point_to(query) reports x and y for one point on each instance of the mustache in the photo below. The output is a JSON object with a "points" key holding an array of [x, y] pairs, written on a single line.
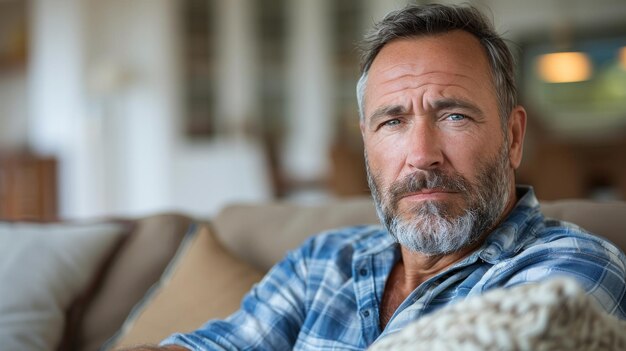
{"points": [[435, 179]]}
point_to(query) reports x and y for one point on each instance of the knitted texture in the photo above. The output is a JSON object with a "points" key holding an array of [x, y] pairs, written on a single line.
{"points": [[554, 315]]}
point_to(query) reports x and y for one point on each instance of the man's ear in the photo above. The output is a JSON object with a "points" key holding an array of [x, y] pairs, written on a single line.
{"points": [[516, 130], [362, 127]]}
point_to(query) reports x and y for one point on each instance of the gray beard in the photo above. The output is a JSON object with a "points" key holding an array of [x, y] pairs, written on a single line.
{"points": [[433, 228]]}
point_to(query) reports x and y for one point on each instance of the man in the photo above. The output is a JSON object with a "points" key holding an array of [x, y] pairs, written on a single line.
{"points": [[443, 135]]}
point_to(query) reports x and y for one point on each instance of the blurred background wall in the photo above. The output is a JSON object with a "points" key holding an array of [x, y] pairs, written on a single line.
{"points": [[128, 107]]}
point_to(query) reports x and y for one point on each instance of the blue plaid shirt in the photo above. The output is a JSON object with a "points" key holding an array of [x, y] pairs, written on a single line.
{"points": [[326, 295]]}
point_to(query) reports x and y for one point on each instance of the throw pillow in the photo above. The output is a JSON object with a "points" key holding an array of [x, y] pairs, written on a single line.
{"points": [[43, 267], [204, 281], [554, 315]]}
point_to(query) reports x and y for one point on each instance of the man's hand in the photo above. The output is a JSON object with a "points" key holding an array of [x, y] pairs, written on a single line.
{"points": [[155, 348]]}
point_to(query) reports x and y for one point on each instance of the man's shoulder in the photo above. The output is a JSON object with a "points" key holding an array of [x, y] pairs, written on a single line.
{"points": [[554, 248], [334, 250], [566, 233], [554, 237], [344, 241], [533, 231]]}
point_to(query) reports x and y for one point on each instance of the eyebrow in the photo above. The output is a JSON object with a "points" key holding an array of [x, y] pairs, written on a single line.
{"points": [[441, 104], [385, 111], [448, 103]]}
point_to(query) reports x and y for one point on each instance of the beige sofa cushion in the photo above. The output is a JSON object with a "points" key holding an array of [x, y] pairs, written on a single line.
{"points": [[262, 234], [203, 282]]}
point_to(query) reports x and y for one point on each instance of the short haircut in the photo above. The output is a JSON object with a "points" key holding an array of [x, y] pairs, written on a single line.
{"points": [[423, 20]]}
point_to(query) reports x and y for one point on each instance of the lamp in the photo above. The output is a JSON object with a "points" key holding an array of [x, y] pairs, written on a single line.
{"points": [[566, 67]]}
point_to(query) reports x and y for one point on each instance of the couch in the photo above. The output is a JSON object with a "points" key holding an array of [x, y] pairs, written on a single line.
{"points": [[135, 281]]}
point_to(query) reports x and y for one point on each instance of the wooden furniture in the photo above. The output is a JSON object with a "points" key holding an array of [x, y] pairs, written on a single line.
{"points": [[28, 187]]}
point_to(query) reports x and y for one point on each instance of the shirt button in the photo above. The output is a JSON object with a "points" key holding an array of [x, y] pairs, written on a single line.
{"points": [[363, 272], [366, 313]]}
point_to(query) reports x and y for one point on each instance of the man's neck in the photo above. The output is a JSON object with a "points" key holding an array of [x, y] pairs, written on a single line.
{"points": [[410, 272], [417, 267]]}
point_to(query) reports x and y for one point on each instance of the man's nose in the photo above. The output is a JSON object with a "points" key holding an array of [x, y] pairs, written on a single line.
{"points": [[424, 148]]}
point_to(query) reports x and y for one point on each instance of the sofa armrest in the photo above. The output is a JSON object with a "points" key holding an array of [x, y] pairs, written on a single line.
{"points": [[135, 267]]}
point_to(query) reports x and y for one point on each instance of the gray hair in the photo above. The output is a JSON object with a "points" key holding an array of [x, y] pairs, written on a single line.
{"points": [[420, 20]]}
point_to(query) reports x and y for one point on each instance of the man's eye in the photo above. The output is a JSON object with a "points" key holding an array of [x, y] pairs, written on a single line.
{"points": [[391, 123], [455, 117]]}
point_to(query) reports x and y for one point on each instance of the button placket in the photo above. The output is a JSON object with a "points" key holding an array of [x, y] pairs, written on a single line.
{"points": [[364, 289]]}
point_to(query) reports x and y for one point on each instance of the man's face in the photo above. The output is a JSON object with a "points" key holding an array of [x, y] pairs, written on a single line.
{"points": [[439, 164]]}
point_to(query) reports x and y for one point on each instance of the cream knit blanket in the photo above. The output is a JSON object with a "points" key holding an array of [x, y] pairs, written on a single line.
{"points": [[554, 315]]}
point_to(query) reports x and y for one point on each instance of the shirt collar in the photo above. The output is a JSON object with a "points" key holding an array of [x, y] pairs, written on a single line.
{"points": [[509, 237]]}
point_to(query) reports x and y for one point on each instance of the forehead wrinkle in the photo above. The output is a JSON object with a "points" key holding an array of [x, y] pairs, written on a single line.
{"points": [[445, 87], [407, 81], [400, 81]]}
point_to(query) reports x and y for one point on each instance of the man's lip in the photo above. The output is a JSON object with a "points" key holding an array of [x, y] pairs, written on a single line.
{"points": [[427, 192]]}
